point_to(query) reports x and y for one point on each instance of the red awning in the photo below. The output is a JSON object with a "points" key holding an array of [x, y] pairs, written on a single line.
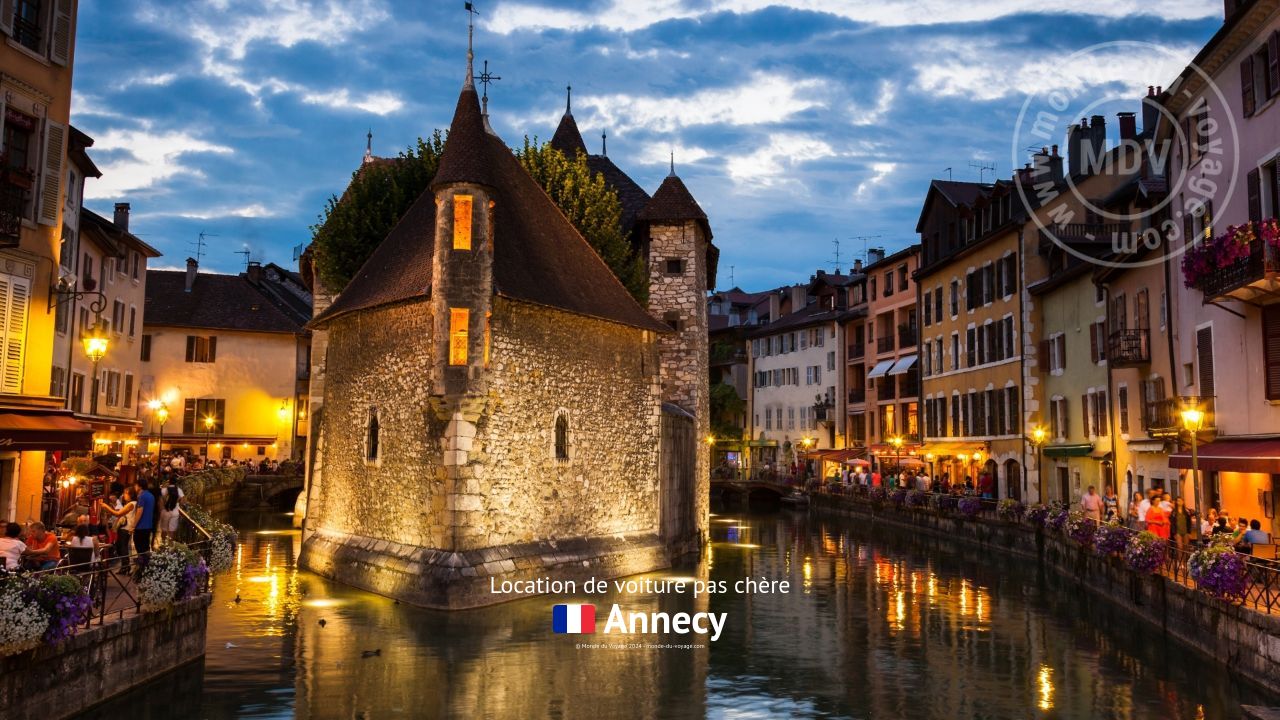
{"points": [[43, 432], [1254, 456]]}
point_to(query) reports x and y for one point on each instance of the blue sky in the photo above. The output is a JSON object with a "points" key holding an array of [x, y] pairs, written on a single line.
{"points": [[793, 122]]}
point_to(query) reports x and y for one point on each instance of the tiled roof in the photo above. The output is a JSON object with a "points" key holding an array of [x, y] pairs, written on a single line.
{"points": [[539, 257], [568, 139], [631, 196], [672, 202], [216, 302]]}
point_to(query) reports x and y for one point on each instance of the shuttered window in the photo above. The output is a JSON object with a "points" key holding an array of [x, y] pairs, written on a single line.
{"points": [[1122, 400], [1273, 61], [51, 172], [1246, 86], [1204, 361], [201, 349], [15, 300], [1271, 349], [1254, 185]]}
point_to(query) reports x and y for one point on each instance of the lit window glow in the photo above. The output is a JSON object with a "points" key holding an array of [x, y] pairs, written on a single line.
{"points": [[462, 222], [458, 320]]}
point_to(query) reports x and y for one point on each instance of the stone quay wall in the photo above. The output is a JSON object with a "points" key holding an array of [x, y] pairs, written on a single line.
{"points": [[1246, 641], [99, 663]]}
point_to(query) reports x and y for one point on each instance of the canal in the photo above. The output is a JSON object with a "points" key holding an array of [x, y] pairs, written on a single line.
{"points": [[878, 624]]}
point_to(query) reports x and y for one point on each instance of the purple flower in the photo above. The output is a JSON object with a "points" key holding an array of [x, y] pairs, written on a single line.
{"points": [[946, 503], [1010, 509], [1110, 538], [1145, 552], [1037, 514], [1220, 571], [1057, 518], [877, 494], [970, 506], [898, 497]]}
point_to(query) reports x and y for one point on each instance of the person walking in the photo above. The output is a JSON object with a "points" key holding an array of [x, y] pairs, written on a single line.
{"points": [[1182, 523], [1134, 512], [1091, 503], [1111, 505], [145, 525], [125, 519], [170, 513], [1158, 520]]}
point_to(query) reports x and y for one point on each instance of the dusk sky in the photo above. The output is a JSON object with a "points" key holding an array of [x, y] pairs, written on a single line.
{"points": [[794, 123]]}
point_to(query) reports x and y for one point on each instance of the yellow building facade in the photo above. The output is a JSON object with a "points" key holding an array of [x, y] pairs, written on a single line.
{"points": [[37, 45]]}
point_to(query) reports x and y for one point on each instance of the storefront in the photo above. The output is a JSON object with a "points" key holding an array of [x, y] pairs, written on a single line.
{"points": [[1238, 477], [32, 442], [1072, 468]]}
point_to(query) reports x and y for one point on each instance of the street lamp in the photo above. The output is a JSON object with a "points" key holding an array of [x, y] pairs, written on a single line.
{"points": [[161, 412], [896, 441], [929, 458], [209, 422], [1192, 420], [95, 348], [1038, 437]]}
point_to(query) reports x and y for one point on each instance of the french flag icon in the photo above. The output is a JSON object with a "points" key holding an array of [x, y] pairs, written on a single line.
{"points": [[573, 619]]}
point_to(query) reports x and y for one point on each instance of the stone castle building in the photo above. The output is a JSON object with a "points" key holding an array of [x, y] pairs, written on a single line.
{"points": [[496, 404]]}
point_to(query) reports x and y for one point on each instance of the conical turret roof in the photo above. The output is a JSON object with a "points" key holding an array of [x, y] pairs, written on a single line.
{"points": [[466, 151]]}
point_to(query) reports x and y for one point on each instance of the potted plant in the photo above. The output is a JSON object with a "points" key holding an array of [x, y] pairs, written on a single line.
{"points": [[1144, 553], [1219, 570], [1010, 509]]}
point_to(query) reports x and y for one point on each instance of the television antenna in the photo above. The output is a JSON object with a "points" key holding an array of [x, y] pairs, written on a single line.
{"points": [[865, 240], [983, 168], [246, 252], [200, 244]]}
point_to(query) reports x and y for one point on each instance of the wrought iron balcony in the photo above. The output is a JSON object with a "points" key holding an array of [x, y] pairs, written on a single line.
{"points": [[887, 389], [1252, 279], [1163, 418], [1089, 232], [857, 396], [884, 344], [906, 337], [909, 387], [15, 188], [857, 352], [1127, 348]]}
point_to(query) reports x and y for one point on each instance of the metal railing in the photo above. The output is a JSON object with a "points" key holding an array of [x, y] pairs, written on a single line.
{"points": [[857, 352], [857, 396], [884, 344], [1089, 232], [907, 337], [1129, 347], [1262, 259]]}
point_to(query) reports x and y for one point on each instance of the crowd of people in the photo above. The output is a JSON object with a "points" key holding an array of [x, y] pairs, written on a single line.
{"points": [[1170, 518]]}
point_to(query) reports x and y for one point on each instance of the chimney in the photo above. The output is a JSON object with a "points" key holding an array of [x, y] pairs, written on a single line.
{"points": [[857, 266], [1150, 111], [775, 305], [1128, 126], [192, 267], [875, 255], [122, 216], [799, 297], [1076, 138], [1046, 167], [254, 272]]}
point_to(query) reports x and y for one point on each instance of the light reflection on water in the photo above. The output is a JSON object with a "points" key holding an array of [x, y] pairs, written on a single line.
{"points": [[889, 627]]}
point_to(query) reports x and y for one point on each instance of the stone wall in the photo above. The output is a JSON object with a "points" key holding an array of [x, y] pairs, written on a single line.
{"points": [[380, 360], [1247, 641], [685, 371], [469, 487], [101, 662]]}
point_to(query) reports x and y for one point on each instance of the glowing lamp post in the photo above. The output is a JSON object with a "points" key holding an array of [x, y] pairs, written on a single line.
{"points": [[1038, 437], [161, 413], [896, 441], [1193, 420], [209, 422], [95, 348]]}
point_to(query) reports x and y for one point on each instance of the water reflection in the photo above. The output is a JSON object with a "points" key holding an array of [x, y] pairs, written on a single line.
{"points": [[877, 625]]}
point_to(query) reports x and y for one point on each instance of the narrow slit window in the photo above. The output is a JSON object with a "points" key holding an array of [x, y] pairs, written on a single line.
{"points": [[462, 222], [458, 319], [488, 337], [371, 437]]}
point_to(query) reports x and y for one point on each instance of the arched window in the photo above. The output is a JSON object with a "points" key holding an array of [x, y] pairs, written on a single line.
{"points": [[562, 437], [371, 436]]}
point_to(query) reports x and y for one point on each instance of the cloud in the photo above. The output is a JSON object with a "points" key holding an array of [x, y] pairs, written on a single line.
{"points": [[657, 154], [141, 159], [965, 68], [250, 211], [863, 116], [378, 103], [770, 166], [632, 15], [764, 98], [881, 171]]}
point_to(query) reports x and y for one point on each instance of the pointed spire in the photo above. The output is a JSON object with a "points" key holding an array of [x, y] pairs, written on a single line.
{"points": [[368, 146], [471, 31], [604, 143], [567, 138], [466, 156], [673, 164], [568, 100]]}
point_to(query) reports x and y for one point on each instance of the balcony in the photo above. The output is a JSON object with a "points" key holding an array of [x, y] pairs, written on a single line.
{"points": [[884, 344], [907, 337], [857, 397], [1163, 418], [909, 386], [1074, 233], [857, 352], [1129, 348], [887, 389], [1253, 279]]}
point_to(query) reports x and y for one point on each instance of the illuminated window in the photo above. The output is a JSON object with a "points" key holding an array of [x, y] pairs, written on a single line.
{"points": [[488, 336], [458, 319], [461, 222]]}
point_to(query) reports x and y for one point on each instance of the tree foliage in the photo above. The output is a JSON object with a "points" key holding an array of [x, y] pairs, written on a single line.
{"points": [[591, 205], [380, 193], [726, 406]]}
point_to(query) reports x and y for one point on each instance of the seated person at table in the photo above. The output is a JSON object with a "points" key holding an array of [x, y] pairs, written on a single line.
{"points": [[11, 546], [42, 548], [83, 540], [73, 513], [1254, 535]]}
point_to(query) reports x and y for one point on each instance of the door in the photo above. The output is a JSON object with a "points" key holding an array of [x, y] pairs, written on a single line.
{"points": [[8, 489], [1064, 485]]}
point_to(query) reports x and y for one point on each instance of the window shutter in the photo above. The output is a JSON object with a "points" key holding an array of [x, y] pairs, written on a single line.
{"points": [[1044, 355], [60, 48], [55, 141], [15, 295], [1188, 230], [1093, 342], [1273, 61], [1187, 139], [1084, 413], [1255, 194], [1246, 85], [6, 16], [213, 348], [1123, 409], [188, 417], [1271, 349], [1103, 409], [1204, 353], [191, 348]]}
